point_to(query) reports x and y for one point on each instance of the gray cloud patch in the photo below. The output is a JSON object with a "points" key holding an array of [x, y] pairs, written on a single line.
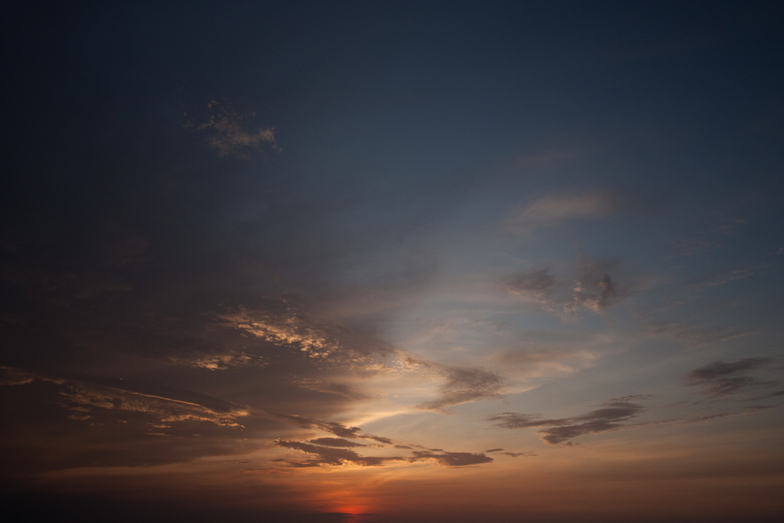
{"points": [[563, 430], [723, 379], [462, 385]]}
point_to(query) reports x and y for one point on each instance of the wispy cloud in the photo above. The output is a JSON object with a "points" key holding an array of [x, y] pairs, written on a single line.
{"points": [[550, 211]]}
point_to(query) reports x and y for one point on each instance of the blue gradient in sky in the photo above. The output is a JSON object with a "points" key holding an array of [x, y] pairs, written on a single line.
{"points": [[486, 242]]}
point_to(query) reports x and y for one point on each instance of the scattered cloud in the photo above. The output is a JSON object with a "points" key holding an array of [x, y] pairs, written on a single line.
{"points": [[591, 287], [227, 134], [724, 379]]}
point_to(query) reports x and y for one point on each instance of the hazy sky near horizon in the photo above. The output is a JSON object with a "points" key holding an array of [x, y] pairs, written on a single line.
{"points": [[434, 260]]}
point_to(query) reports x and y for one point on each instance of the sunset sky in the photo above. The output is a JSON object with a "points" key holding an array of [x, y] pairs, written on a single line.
{"points": [[363, 261]]}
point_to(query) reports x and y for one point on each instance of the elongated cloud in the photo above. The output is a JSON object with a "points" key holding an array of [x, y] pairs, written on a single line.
{"points": [[723, 379], [563, 430]]}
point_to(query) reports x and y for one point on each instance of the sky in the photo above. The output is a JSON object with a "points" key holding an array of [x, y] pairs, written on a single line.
{"points": [[345, 261]]}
